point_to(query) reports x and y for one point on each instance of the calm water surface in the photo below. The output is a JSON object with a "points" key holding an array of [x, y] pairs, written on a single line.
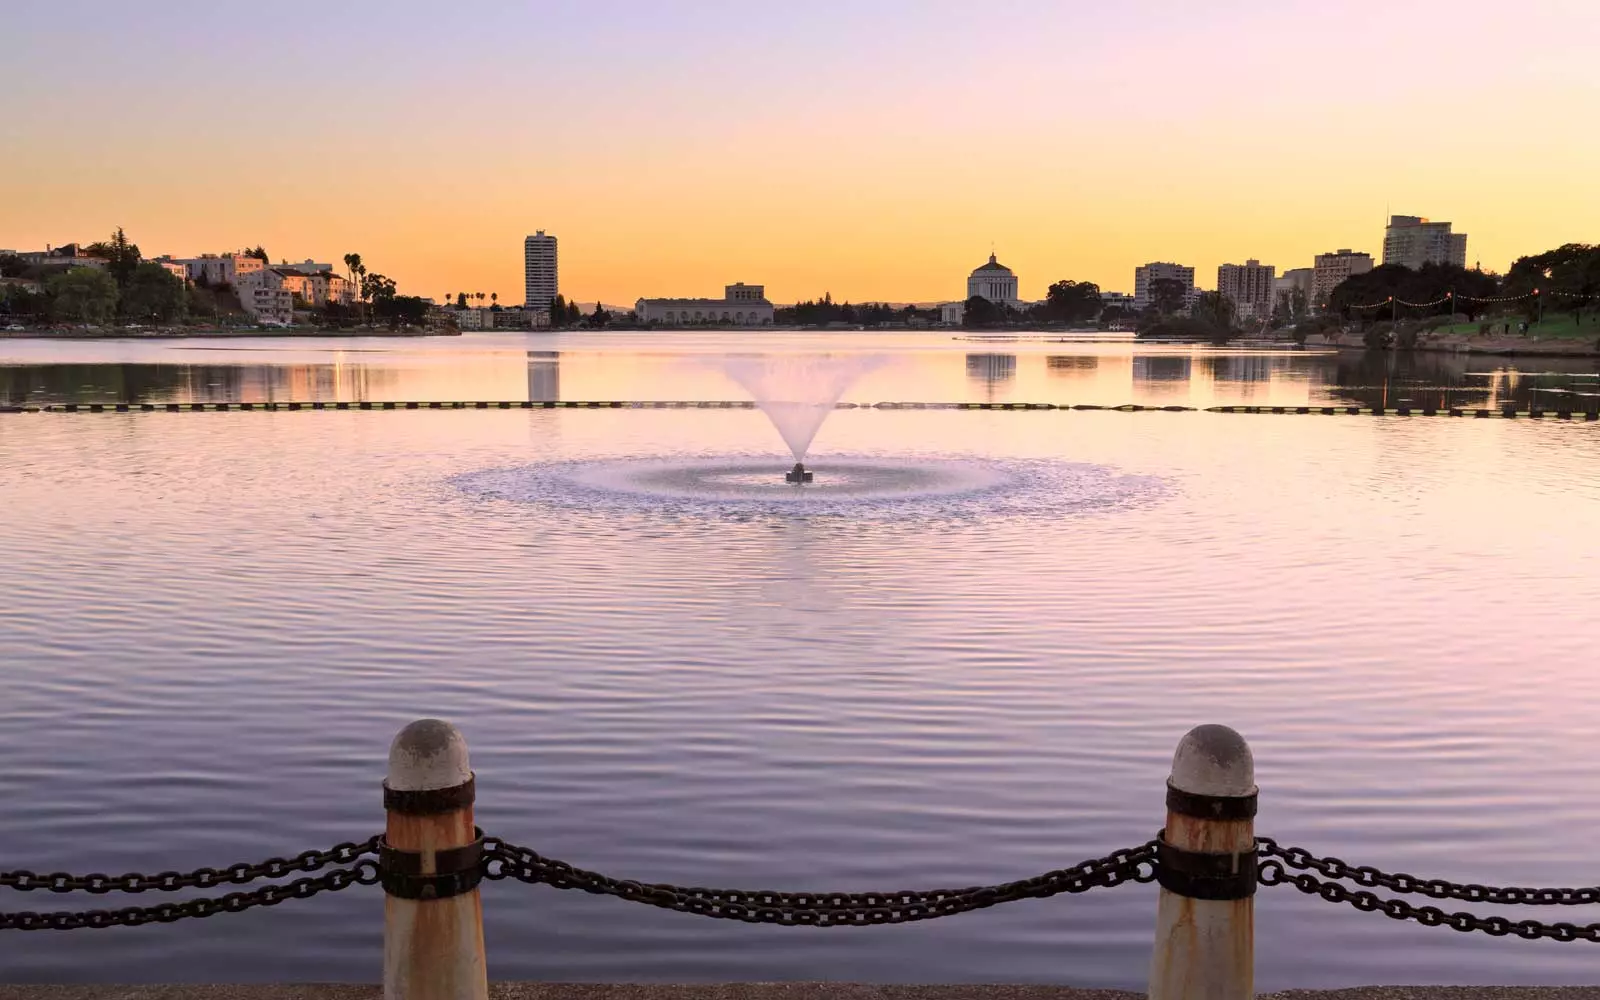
{"points": [[214, 624], [928, 367]]}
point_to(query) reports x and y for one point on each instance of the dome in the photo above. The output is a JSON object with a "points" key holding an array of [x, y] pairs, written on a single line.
{"points": [[993, 267]]}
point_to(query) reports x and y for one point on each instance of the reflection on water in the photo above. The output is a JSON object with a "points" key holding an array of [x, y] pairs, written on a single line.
{"points": [[213, 626], [922, 368], [544, 377]]}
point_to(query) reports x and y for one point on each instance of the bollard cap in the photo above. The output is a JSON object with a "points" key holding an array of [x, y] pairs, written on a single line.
{"points": [[426, 756], [1215, 761]]}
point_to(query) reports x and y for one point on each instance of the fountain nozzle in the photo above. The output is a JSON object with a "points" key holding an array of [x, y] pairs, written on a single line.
{"points": [[798, 475]]}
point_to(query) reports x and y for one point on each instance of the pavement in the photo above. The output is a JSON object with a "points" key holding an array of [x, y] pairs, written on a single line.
{"points": [[763, 991]]}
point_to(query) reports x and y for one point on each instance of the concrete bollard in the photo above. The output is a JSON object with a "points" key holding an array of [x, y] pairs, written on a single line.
{"points": [[432, 914], [1205, 921]]}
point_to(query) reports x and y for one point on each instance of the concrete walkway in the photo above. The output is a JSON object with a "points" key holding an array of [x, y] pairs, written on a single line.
{"points": [[759, 991]]}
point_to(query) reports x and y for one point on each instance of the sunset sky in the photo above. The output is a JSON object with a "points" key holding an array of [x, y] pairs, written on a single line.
{"points": [[876, 149]]}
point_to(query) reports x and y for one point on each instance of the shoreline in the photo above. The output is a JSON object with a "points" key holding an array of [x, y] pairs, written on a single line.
{"points": [[1505, 347], [216, 333], [762, 991]]}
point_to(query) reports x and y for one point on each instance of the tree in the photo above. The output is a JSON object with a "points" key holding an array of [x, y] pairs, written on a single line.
{"points": [[599, 317], [1438, 290], [558, 312], [574, 314], [1217, 312], [980, 313], [122, 256], [1168, 295], [494, 300], [11, 266], [82, 295], [461, 300], [259, 254], [1071, 302], [377, 289], [154, 294]]}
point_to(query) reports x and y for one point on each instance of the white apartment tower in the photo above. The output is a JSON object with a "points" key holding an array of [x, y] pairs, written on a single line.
{"points": [[1414, 241], [1332, 269], [540, 270], [1145, 276], [1249, 286]]}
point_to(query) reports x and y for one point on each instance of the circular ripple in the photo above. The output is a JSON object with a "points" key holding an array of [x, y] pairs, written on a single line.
{"points": [[856, 487]]}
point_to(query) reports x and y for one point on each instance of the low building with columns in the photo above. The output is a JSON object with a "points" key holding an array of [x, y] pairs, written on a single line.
{"points": [[740, 305]]}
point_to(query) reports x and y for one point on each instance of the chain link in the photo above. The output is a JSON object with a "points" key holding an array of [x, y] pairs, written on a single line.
{"points": [[99, 884], [1273, 873], [364, 873], [819, 909], [1372, 878]]}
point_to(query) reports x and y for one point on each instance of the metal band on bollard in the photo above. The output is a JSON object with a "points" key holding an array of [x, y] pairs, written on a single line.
{"points": [[430, 802], [1218, 807], [456, 871], [1205, 876]]}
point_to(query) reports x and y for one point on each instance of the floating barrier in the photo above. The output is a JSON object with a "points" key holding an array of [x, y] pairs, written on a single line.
{"points": [[1403, 410]]}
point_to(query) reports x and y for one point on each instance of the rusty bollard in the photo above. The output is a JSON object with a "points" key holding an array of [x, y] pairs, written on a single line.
{"points": [[1205, 921], [432, 863]]}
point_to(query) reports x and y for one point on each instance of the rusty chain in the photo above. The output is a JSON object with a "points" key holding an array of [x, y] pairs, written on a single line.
{"points": [[364, 873], [820, 909], [1372, 878], [1317, 876], [98, 883]]}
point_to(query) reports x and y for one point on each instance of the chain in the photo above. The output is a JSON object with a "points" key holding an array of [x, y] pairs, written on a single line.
{"points": [[99, 884], [364, 873], [1273, 873], [1373, 878], [820, 909]]}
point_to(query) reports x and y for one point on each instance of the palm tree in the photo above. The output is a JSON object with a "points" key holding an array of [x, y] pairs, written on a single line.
{"points": [[494, 298]]}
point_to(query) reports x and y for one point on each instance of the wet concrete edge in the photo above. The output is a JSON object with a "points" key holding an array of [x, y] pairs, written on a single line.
{"points": [[759, 991]]}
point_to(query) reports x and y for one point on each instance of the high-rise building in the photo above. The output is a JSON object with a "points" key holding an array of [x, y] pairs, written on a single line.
{"points": [[1297, 279], [1413, 241], [540, 271], [1249, 286], [1332, 269], [1144, 277]]}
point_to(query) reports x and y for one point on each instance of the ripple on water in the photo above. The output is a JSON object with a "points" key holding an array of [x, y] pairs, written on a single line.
{"points": [[858, 487]]}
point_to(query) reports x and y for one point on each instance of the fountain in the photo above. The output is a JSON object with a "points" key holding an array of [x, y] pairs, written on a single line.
{"points": [[797, 392]]}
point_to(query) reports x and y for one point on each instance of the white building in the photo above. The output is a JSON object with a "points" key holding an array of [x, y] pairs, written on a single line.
{"points": [[995, 282], [226, 269], [740, 305], [266, 304], [1332, 269], [1299, 279], [309, 267], [1145, 276], [1413, 241], [1249, 286], [1117, 300], [541, 272], [177, 269], [952, 313]]}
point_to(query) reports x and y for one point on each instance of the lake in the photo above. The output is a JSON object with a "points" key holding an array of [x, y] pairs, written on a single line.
{"points": [[215, 622]]}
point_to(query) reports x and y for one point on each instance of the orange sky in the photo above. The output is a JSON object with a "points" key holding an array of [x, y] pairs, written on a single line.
{"points": [[876, 150]]}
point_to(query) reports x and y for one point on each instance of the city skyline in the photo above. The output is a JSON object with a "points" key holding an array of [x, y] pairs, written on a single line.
{"points": [[875, 151]]}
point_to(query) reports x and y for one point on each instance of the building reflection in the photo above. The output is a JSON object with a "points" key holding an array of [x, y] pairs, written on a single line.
{"points": [[1162, 368], [995, 372], [544, 376], [1071, 364]]}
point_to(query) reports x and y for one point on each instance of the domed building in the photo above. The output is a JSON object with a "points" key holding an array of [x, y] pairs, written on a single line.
{"points": [[995, 282]]}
